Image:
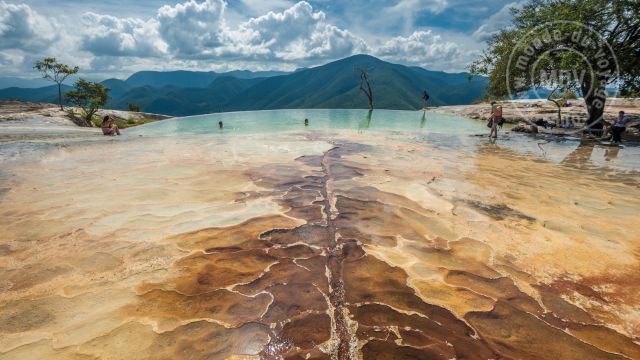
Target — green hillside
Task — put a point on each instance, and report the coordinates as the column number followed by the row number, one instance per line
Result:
column 44, row 94
column 190, row 79
column 171, row 100
column 333, row 85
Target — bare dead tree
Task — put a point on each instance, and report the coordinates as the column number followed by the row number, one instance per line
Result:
column 557, row 103
column 364, row 81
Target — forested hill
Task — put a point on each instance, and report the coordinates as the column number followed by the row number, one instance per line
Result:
column 333, row 85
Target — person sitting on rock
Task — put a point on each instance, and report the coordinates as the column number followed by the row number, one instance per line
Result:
column 108, row 126
column 619, row 126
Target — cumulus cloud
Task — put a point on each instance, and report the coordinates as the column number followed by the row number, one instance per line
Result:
column 207, row 34
column 106, row 35
column 297, row 33
column 422, row 48
column 496, row 22
column 192, row 27
column 198, row 31
column 23, row 28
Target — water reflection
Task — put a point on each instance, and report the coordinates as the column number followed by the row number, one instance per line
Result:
column 611, row 153
column 366, row 122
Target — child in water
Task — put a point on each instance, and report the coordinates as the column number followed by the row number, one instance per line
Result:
column 495, row 119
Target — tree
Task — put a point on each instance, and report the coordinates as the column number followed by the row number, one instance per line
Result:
column 56, row 72
column 133, row 107
column 89, row 96
column 573, row 45
column 364, row 80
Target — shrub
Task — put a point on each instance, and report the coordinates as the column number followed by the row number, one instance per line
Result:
column 133, row 107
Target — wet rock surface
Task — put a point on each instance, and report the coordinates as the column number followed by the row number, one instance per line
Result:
column 342, row 264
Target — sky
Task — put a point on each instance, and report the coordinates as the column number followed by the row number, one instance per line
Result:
column 114, row 38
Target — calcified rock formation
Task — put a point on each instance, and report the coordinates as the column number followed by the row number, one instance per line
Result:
column 371, row 246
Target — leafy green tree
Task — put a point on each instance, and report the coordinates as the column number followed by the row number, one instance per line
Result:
column 56, row 72
column 587, row 44
column 89, row 96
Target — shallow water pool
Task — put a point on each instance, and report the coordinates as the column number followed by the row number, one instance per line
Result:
column 251, row 122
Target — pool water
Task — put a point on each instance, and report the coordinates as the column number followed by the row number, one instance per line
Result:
column 450, row 131
column 252, row 122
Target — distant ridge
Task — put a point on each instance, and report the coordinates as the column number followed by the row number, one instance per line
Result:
column 333, row 85
column 191, row 79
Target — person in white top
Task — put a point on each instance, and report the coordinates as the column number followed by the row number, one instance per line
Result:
column 619, row 126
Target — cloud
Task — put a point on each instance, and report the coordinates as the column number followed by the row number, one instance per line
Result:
column 106, row 35
column 496, row 22
column 212, row 34
column 198, row 31
column 23, row 28
column 191, row 27
column 260, row 7
column 298, row 33
column 410, row 7
column 422, row 48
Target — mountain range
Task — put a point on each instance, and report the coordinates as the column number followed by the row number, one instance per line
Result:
column 333, row 85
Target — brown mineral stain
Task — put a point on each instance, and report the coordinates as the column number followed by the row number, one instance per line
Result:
column 244, row 235
column 498, row 211
column 284, row 272
column 292, row 300
column 369, row 280
column 518, row 334
column 23, row 316
column 605, row 339
column 207, row 272
column 458, row 300
column 389, row 350
column 197, row 340
column 492, row 287
column 426, row 332
column 329, row 243
column 309, row 331
column 315, row 235
column 221, row 305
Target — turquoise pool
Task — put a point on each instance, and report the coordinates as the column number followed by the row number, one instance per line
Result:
column 251, row 122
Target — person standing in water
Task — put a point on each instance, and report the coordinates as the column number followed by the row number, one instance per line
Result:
column 425, row 98
column 220, row 125
column 306, row 122
column 495, row 119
